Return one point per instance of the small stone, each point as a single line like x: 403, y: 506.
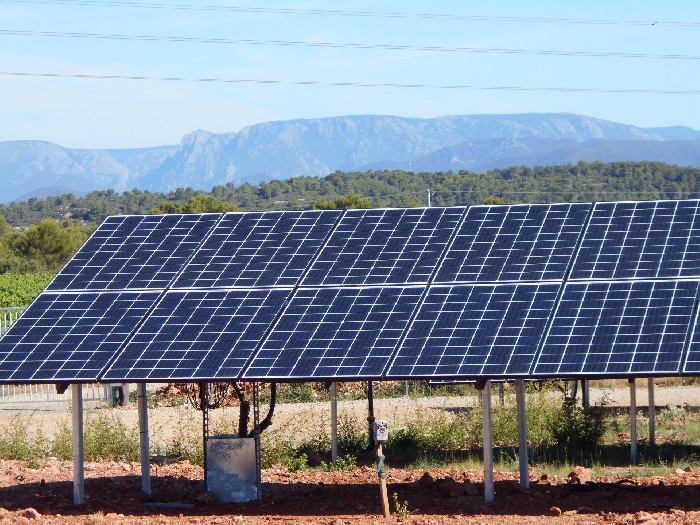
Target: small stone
x: 680, y: 472
x: 314, y: 459
x: 555, y: 511
x: 580, y: 475
x: 688, y: 469
x: 31, y: 514
x: 470, y: 489
x: 544, y: 477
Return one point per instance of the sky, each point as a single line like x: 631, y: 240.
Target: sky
x: 235, y: 64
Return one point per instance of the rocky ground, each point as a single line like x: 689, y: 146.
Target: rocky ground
x: 440, y: 496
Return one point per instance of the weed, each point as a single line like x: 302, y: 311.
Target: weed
x: 107, y: 437
x: 341, y: 463
x: 401, y: 511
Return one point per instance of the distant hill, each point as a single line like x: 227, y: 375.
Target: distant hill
x: 317, y: 147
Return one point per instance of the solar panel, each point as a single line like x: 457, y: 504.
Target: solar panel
x: 619, y: 328
x: 134, y: 252
x: 692, y: 362
x: 259, y: 249
x: 475, y: 331
x: 514, y: 243
x: 70, y: 336
x: 384, y: 246
x: 335, y: 333
x: 199, y: 335
x: 641, y: 240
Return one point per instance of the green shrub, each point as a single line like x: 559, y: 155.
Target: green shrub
x: 107, y: 437
x: 574, y: 429
x: 17, y: 442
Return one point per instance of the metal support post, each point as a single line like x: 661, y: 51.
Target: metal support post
x: 652, y: 413
x: 370, y: 415
x: 256, y: 435
x: 144, y: 441
x: 78, y: 445
x: 633, y: 422
x: 204, y: 403
x: 488, y: 442
x: 334, y: 421
x: 522, y: 434
x: 585, y: 393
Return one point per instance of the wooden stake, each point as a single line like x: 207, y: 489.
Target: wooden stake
x: 383, y: 493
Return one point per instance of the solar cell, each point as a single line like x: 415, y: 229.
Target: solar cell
x: 259, y: 249
x: 70, y: 336
x: 134, y: 252
x: 641, y: 240
x: 619, y: 328
x: 475, y: 331
x: 384, y: 246
x: 335, y: 333
x: 514, y: 243
x: 199, y: 335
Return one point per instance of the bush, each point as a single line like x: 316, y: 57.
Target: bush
x: 107, y: 437
x: 574, y: 429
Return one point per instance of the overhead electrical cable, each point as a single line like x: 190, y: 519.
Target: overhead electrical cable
x: 369, y: 14
x: 342, y: 45
x: 352, y: 84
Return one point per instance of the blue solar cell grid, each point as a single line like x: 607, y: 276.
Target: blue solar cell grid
x: 199, y: 335
x: 389, y: 246
x: 619, y: 328
x: 641, y: 240
x: 335, y: 333
x: 70, y: 336
x: 514, y: 243
x: 259, y: 249
x: 135, y: 252
x: 692, y: 363
x: 476, y: 331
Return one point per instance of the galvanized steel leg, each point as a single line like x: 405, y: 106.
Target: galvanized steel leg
x: 144, y: 441
x: 488, y: 442
x: 633, y: 422
x: 652, y: 413
x: 334, y: 421
x: 78, y: 445
x: 522, y: 434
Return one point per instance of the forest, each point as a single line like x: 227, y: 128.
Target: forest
x: 39, y: 235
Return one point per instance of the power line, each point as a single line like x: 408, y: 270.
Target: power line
x: 371, y: 14
x: 351, y: 84
x: 343, y: 45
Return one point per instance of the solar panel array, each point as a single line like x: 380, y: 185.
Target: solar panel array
x: 539, y: 290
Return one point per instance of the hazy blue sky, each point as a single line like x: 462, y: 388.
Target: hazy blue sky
x: 91, y: 112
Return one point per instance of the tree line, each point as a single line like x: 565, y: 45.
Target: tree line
x: 583, y: 181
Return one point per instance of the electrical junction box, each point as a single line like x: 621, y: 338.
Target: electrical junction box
x: 381, y: 430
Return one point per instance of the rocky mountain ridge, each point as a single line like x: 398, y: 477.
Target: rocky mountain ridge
x: 316, y: 147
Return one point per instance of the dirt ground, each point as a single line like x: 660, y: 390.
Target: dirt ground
x: 113, y: 496
x: 113, y: 490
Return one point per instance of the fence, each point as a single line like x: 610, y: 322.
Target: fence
x: 40, y: 393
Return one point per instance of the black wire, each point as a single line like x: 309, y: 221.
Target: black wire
x: 345, y: 45
x: 352, y: 84
x: 371, y: 14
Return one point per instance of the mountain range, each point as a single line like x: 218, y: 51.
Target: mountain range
x: 317, y: 147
